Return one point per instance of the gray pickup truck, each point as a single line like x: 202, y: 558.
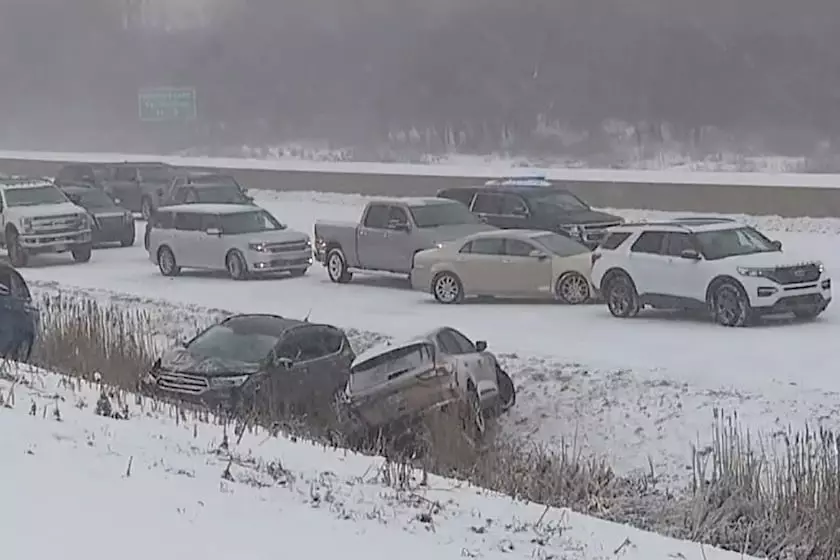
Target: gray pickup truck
x: 390, y: 233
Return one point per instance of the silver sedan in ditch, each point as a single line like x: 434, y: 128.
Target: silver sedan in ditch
x: 506, y: 263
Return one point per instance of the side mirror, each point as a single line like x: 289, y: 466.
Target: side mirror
x: 399, y: 226
x: 481, y: 345
x: 213, y: 231
x: 690, y: 254
x: 777, y: 245
x: 117, y: 201
x: 539, y: 255
x: 521, y: 212
x: 284, y: 363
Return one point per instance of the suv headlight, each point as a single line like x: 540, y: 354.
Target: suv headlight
x: 753, y: 272
x: 229, y: 382
x: 820, y: 266
x: 258, y: 247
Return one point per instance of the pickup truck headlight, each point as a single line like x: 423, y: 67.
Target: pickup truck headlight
x: 26, y: 224
x: 258, y: 247
x: 85, y: 220
x: 228, y: 382
x: 753, y: 272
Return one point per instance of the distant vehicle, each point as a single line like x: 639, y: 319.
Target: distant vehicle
x: 36, y: 217
x: 276, y: 363
x: 719, y: 266
x: 131, y: 184
x: 18, y: 316
x: 390, y: 233
x: 506, y: 263
x: 243, y: 240
x: 536, y: 204
x: 111, y: 223
x: 399, y: 384
x: 198, y: 188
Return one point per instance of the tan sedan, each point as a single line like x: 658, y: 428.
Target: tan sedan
x: 506, y: 263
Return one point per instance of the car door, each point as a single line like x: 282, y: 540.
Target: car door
x: 513, y: 213
x: 187, y: 238
x: 400, y: 243
x: 468, y: 364
x: 126, y: 187
x: 209, y: 249
x: 482, y: 364
x: 373, y: 239
x: 524, y: 274
x: 479, y: 262
x: 488, y: 207
x: 686, y: 279
x: 648, y: 266
x: 327, y: 360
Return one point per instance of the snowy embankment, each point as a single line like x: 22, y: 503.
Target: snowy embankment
x: 76, y: 485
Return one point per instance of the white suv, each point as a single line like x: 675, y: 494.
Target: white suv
x: 713, y: 264
x: 243, y: 240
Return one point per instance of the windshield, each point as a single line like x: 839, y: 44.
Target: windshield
x: 720, y: 244
x: 563, y: 199
x: 93, y: 198
x: 220, y: 194
x: 224, y: 343
x: 249, y: 222
x: 34, y: 196
x: 445, y: 214
x: 560, y: 244
x: 156, y: 173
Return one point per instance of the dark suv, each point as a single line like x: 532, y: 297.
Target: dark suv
x: 274, y: 362
x: 18, y: 317
x: 534, y: 203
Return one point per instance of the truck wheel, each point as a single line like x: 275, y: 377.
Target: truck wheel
x: 128, y: 236
x: 81, y: 253
x: 146, y: 208
x: 337, y: 267
x: 18, y: 256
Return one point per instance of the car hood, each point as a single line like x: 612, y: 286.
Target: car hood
x: 281, y: 236
x: 183, y: 361
x: 47, y: 210
x: 581, y: 217
x: 770, y: 260
x: 442, y: 234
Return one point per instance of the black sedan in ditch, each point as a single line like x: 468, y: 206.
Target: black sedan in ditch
x: 111, y: 222
x: 279, y: 364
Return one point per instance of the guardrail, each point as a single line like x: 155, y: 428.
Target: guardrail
x: 788, y: 195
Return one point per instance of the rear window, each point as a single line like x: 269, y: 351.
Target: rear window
x: 614, y: 240
x: 396, y: 362
x: 464, y: 196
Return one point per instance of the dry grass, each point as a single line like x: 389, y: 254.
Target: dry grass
x: 780, y: 500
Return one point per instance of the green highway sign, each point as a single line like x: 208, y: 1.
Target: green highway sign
x: 167, y: 104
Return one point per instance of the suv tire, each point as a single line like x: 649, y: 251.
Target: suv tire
x: 730, y: 305
x: 235, y: 266
x: 621, y: 296
x: 166, y: 262
x: 81, y: 253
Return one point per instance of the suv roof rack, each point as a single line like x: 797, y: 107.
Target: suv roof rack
x: 685, y: 221
x: 521, y: 180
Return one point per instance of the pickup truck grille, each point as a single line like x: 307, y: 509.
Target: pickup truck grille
x: 182, y: 382
x: 68, y: 222
x: 287, y: 247
x: 795, y: 274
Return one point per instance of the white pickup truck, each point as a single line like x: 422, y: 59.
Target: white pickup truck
x: 36, y: 217
x: 390, y: 233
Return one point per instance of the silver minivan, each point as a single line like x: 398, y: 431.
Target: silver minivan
x: 242, y: 240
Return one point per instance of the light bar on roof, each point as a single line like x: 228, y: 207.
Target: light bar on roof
x: 524, y: 181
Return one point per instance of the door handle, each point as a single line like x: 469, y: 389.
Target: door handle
x: 362, y: 232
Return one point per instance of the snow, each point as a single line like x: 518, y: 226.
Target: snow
x: 80, y: 486
x: 491, y: 168
x: 622, y: 389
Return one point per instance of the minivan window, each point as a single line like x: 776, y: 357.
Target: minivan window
x: 249, y: 222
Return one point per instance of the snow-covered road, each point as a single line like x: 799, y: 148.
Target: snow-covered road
x: 645, y: 386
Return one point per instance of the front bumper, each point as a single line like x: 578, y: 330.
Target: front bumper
x: 54, y: 242
x: 191, y: 389
x: 769, y: 298
x: 278, y: 262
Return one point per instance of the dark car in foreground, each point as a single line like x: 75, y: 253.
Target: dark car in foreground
x: 278, y: 364
x: 18, y: 316
x: 111, y: 222
x: 534, y: 203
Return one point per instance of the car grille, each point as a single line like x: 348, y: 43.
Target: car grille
x: 287, y: 247
x: 111, y: 222
x: 802, y: 300
x: 290, y: 262
x: 795, y: 274
x: 182, y: 382
x: 56, y: 224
